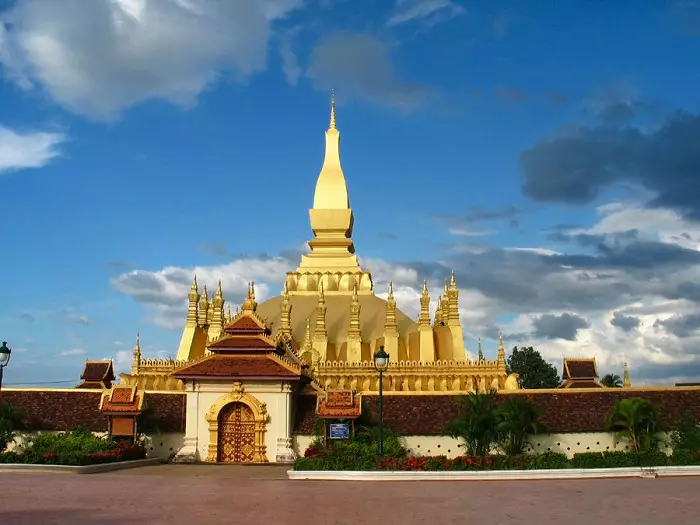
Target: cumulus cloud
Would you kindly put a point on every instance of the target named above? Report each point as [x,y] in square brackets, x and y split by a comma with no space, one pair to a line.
[100,57]
[563,326]
[29,149]
[626,323]
[362,65]
[73,352]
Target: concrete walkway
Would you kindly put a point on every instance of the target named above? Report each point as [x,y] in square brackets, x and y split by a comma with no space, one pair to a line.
[188,494]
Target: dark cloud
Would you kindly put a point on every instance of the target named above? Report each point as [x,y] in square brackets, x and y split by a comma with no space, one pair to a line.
[361,64]
[476,214]
[556,98]
[564,326]
[215,248]
[680,325]
[510,94]
[578,167]
[626,323]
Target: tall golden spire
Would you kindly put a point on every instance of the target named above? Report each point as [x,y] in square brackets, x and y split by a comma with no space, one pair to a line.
[136,363]
[321,315]
[332,125]
[481,352]
[216,314]
[438,312]
[390,319]
[424,318]
[354,329]
[626,376]
[286,312]
[193,296]
[501,348]
[204,308]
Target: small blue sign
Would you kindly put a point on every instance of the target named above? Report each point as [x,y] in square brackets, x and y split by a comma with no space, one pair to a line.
[339,431]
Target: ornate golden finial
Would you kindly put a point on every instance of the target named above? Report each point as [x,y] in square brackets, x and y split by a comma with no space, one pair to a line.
[447,289]
[453,281]
[391,290]
[228,313]
[438,312]
[501,348]
[626,376]
[481,352]
[203,307]
[332,126]
[249,305]
[136,363]
[322,297]
[219,291]
[286,313]
[425,287]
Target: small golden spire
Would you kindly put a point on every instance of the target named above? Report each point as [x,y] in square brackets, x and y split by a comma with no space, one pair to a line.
[219,291]
[322,297]
[501,348]
[251,290]
[249,305]
[332,126]
[481,353]
[228,313]
[424,317]
[446,288]
[453,281]
[285,291]
[425,287]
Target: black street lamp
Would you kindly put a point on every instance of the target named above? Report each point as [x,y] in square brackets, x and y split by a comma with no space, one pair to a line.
[4,359]
[381,363]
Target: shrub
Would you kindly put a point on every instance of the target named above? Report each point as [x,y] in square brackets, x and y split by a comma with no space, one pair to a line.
[476,423]
[686,435]
[10,420]
[619,459]
[637,421]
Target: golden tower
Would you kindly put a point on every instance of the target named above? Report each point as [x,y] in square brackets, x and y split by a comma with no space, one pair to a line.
[330,314]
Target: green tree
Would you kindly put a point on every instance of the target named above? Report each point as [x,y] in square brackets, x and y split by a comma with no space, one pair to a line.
[534,371]
[517,418]
[686,435]
[476,422]
[611,381]
[10,421]
[637,421]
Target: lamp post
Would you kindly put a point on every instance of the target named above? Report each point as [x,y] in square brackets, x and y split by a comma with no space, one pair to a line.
[381,363]
[4,359]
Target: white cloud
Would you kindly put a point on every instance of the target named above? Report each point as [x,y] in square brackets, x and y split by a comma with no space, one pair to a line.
[22,150]
[100,57]
[428,11]
[73,352]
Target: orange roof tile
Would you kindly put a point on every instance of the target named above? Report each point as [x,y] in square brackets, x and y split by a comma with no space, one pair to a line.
[122,399]
[224,366]
[251,342]
[247,323]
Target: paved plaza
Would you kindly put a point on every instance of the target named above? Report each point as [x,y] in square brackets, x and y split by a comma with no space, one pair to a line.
[212,495]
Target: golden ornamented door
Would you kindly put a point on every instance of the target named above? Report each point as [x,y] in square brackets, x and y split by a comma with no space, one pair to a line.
[236,434]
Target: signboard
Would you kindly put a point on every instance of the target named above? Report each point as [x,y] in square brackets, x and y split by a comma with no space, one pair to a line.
[339,431]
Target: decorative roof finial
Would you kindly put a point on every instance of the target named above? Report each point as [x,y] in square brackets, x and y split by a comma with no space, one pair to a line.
[453,281]
[425,287]
[481,353]
[332,126]
[391,290]
[219,291]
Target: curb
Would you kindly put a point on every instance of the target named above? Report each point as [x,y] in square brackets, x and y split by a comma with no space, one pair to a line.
[84,469]
[494,475]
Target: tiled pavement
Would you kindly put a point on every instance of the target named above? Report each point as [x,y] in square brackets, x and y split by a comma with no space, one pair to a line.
[212,495]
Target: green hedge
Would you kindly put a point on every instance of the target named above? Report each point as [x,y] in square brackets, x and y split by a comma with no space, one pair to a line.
[549,460]
[77,447]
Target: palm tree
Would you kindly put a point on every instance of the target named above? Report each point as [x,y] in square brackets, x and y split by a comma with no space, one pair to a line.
[516,419]
[476,422]
[638,421]
[611,381]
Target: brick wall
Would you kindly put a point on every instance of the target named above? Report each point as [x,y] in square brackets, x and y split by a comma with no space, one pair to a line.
[564,411]
[69,409]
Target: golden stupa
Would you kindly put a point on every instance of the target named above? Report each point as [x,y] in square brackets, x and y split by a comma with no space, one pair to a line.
[329,314]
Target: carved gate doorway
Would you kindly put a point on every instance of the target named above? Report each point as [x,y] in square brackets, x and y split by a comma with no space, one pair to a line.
[236,434]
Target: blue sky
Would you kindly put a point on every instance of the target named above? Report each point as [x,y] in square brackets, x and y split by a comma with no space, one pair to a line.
[541,150]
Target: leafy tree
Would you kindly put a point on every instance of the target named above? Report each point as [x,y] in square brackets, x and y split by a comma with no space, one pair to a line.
[533,370]
[516,419]
[611,381]
[637,421]
[476,423]
[686,435]
[10,420]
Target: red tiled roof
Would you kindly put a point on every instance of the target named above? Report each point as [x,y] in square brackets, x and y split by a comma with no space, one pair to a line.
[246,324]
[252,342]
[339,405]
[579,369]
[98,371]
[220,366]
[122,399]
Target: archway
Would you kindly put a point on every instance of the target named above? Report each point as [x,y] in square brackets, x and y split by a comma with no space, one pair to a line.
[237,424]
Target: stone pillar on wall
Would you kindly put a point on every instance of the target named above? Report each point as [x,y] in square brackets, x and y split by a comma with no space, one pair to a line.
[285,450]
[189,453]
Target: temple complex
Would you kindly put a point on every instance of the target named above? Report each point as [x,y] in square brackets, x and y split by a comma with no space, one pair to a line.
[331,319]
